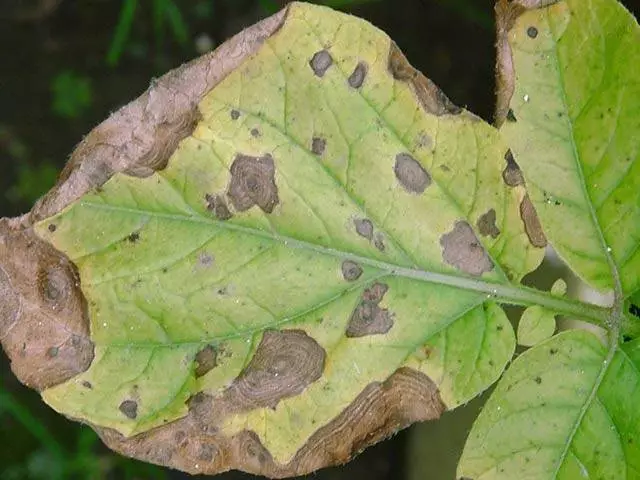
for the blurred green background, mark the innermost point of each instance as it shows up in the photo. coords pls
(65, 65)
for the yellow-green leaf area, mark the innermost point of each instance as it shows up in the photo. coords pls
(535, 325)
(318, 198)
(574, 127)
(577, 402)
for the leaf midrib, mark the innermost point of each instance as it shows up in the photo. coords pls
(516, 295)
(613, 268)
(614, 319)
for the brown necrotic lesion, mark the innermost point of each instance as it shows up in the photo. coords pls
(531, 222)
(411, 175)
(368, 318)
(356, 79)
(284, 364)
(320, 62)
(432, 99)
(462, 249)
(487, 224)
(512, 175)
(253, 183)
(351, 271)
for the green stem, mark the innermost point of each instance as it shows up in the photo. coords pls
(516, 295)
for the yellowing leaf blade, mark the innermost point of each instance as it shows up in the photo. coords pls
(572, 127)
(327, 232)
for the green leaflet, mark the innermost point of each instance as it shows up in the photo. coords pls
(535, 325)
(319, 193)
(565, 409)
(573, 131)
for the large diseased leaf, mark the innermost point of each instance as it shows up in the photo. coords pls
(292, 236)
(303, 263)
(570, 107)
(566, 409)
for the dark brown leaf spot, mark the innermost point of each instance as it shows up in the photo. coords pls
(87, 384)
(284, 364)
(253, 183)
(255, 132)
(432, 99)
(364, 227)
(351, 271)
(133, 237)
(52, 227)
(358, 75)
(235, 114)
(462, 249)
(411, 175)
(368, 318)
(378, 242)
(511, 117)
(487, 224)
(512, 175)
(218, 206)
(532, 223)
(320, 62)
(129, 408)
(318, 145)
(52, 352)
(206, 360)
(532, 32)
